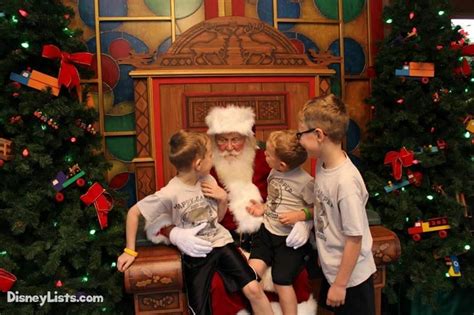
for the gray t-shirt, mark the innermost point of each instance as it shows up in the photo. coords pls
(187, 207)
(287, 192)
(341, 212)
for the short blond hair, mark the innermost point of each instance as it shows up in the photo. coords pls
(287, 148)
(328, 113)
(185, 147)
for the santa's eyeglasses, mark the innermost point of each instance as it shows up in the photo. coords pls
(233, 141)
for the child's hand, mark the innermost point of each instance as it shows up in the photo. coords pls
(124, 261)
(256, 209)
(292, 217)
(212, 190)
(336, 295)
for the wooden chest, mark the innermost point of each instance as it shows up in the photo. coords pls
(156, 281)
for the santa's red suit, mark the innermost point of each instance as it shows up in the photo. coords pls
(225, 303)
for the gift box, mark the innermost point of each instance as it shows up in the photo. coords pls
(421, 69)
(37, 80)
(5, 149)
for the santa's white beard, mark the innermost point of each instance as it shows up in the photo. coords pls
(235, 173)
(234, 168)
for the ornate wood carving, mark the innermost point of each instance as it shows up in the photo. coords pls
(269, 109)
(232, 42)
(145, 177)
(142, 118)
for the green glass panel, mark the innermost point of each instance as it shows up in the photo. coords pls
(329, 8)
(122, 148)
(120, 123)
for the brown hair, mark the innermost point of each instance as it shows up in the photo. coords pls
(185, 147)
(287, 148)
(329, 114)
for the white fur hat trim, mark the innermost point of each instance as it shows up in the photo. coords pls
(230, 119)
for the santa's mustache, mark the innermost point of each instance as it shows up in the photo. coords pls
(232, 153)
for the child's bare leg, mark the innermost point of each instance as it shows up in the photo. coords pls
(287, 297)
(259, 301)
(258, 265)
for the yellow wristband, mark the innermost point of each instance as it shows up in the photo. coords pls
(307, 213)
(130, 252)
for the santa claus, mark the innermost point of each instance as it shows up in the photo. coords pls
(241, 169)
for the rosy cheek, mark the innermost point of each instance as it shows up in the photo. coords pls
(239, 147)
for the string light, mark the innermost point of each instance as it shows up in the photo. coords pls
(429, 197)
(92, 232)
(467, 247)
(389, 21)
(25, 45)
(43, 127)
(467, 135)
(113, 265)
(447, 275)
(85, 279)
(4, 253)
(407, 219)
(14, 19)
(440, 12)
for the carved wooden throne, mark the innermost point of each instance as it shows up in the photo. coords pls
(227, 60)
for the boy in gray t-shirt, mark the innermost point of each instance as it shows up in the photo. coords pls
(193, 203)
(342, 235)
(290, 189)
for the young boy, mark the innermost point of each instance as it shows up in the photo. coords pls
(196, 204)
(343, 237)
(290, 189)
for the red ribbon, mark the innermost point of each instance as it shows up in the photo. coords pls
(404, 158)
(68, 74)
(102, 201)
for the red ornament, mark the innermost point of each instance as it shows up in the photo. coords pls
(412, 15)
(439, 47)
(25, 152)
(59, 197)
(400, 101)
(73, 139)
(58, 284)
(7, 280)
(415, 178)
(23, 13)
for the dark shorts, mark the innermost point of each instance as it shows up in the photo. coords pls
(359, 299)
(228, 261)
(285, 261)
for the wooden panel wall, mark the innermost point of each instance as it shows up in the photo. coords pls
(172, 98)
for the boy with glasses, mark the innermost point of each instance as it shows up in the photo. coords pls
(343, 237)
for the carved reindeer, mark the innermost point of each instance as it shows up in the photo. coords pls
(205, 53)
(256, 52)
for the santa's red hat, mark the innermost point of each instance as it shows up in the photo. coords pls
(230, 119)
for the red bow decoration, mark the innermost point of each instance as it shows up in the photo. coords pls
(404, 158)
(465, 67)
(102, 201)
(68, 75)
(7, 280)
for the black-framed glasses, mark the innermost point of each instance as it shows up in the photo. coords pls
(299, 134)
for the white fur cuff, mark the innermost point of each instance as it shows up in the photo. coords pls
(240, 195)
(152, 228)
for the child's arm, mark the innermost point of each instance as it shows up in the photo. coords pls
(294, 216)
(337, 291)
(213, 190)
(125, 260)
(256, 209)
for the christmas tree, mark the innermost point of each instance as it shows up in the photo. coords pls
(419, 150)
(56, 237)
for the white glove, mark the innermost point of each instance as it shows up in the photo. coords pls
(299, 234)
(187, 241)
